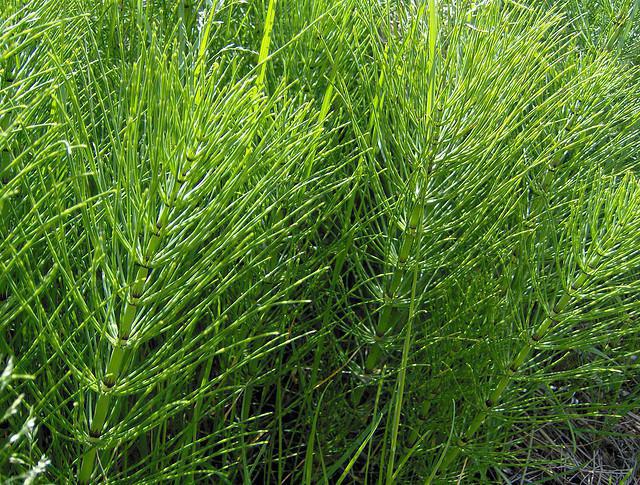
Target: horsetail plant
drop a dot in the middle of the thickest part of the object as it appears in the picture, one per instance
(410, 238)
(131, 304)
(615, 211)
(309, 241)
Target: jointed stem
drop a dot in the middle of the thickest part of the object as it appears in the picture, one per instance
(118, 356)
(120, 351)
(385, 322)
(264, 45)
(521, 357)
(411, 236)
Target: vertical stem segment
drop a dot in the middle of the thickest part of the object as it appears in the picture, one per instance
(411, 236)
(521, 357)
(120, 351)
(118, 356)
(385, 321)
(265, 44)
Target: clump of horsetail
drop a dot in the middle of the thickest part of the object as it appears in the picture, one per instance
(617, 210)
(390, 316)
(131, 308)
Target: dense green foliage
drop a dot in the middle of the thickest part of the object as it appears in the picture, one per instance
(316, 241)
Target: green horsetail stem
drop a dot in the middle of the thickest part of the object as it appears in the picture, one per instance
(120, 351)
(540, 332)
(622, 26)
(545, 327)
(404, 363)
(385, 321)
(263, 57)
(265, 44)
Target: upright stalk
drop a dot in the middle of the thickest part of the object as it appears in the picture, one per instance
(385, 321)
(547, 325)
(265, 44)
(410, 236)
(622, 26)
(403, 366)
(121, 351)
